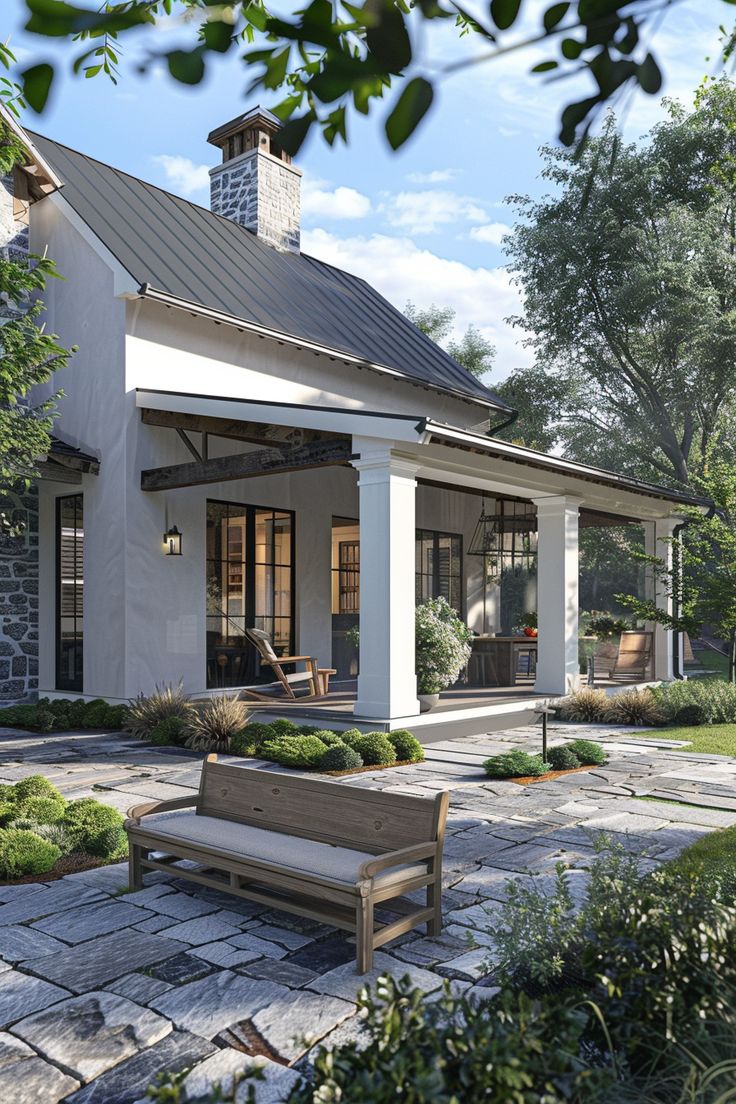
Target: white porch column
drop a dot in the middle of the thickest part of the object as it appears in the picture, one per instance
(658, 542)
(387, 683)
(557, 594)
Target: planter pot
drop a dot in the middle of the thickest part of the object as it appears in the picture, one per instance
(427, 702)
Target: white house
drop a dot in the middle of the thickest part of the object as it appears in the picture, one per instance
(321, 458)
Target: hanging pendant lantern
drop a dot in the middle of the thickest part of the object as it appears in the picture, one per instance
(506, 539)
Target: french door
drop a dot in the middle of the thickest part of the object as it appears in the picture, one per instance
(250, 584)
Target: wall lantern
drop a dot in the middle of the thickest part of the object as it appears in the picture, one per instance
(172, 541)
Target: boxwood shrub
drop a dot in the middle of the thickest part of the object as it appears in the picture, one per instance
(63, 714)
(298, 752)
(516, 764)
(94, 828)
(588, 752)
(562, 757)
(374, 749)
(340, 757)
(406, 747)
(23, 852)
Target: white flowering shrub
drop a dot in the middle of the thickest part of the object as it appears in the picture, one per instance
(442, 643)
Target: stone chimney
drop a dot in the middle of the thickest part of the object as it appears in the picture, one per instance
(256, 184)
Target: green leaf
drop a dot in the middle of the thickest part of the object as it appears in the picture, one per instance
(186, 66)
(36, 83)
(504, 13)
(386, 35)
(545, 66)
(413, 104)
(92, 71)
(292, 134)
(649, 75)
(571, 49)
(554, 15)
(218, 36)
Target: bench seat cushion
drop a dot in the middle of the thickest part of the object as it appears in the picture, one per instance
(290, 852)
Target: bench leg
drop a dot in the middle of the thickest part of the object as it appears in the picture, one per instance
(364, 935)
(135, 872)
(434, 901)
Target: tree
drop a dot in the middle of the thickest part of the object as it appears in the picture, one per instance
(473, 351)
(28, 354)
(702, 578)
(628, 277)
(330, 60)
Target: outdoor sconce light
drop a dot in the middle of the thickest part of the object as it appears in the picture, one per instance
(172, 541)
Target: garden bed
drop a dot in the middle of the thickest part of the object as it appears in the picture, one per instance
(524, 769)
(73, 863)
(550, 776)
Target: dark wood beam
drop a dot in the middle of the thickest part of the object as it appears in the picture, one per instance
(247, 465)
(190, 446)
(60, 473)
(258, 433)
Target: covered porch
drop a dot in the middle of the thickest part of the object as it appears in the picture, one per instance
(391, 475)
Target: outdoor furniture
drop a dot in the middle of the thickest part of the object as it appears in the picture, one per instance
(494, 660)
(633, 657)
(318, 849)
(315, 678)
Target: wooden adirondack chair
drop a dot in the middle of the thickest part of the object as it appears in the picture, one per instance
(314, 678)
(634, 656)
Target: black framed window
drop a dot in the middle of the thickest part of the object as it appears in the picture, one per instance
(439, 567)
(250, 584)
(69, 592)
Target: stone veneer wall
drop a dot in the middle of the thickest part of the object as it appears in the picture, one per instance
(260, 192)
(18, 554)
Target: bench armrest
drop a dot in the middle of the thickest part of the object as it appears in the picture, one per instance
(137, 811)
(397, 858)
(287, 659)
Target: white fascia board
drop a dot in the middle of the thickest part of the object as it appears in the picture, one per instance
(37, 159)
(125, 285)
(401, 428)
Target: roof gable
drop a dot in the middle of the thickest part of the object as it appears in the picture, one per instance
(184, 250)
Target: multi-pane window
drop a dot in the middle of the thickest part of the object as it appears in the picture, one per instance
(249, 585)
(439, 567)
(69, 592)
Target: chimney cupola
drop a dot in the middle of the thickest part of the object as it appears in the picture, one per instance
(256, 184)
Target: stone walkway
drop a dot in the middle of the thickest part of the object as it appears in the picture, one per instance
(100, 989)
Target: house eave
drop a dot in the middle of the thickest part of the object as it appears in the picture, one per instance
(146, 291)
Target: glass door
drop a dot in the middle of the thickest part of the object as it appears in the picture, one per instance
(69, 592)
(250, 584)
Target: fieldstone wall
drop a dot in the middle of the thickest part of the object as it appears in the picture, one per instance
(263, 194)
(18, 510)
(19, 597)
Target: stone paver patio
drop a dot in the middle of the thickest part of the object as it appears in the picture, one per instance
(100, 989)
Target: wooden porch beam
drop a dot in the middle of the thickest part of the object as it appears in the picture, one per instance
(60, 473)
(259, 433)
(247, 465)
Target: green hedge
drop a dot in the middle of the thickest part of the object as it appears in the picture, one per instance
(63, 715)
(304, 747)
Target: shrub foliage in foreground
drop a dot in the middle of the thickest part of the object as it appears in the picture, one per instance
(64, 714)
(39, 826)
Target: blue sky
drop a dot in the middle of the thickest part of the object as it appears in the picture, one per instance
(425, 224)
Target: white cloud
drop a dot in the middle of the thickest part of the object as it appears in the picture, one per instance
(436, 176)
(493, 232)
(425, 212)
(400, 269)
(183, 175)
(319, 198)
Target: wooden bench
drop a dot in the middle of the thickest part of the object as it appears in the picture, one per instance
(318, 849)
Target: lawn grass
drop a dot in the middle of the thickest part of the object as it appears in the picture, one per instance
(714, 662)
(710, 739)
(712, 851)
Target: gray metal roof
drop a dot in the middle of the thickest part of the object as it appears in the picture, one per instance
(186, 251)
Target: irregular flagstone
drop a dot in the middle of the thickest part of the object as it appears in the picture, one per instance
(251, 941)
(345, 982)
(476, 917)
(107, 879)
(224, 954)
(89, 1034)
(181, 968)
(284, 973)
(129, 1081)
(154, 923)
(57, 897)
(80, 924)
(27, 1079)
(180, 906)
(205, 929)
(676, 813)
(625, 822)
(139, 988)
(103, 959)
(428, 952)
(473, 964)
(19, 943)
(223, 1069)
(207, 1006)
(21, 994)
(293, 1023)
(273, 1087)
(290, 939)
(695, 797)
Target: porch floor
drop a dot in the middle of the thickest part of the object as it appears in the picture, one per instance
(461, 711)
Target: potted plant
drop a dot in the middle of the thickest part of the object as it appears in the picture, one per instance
(442, 649)
(528, 624)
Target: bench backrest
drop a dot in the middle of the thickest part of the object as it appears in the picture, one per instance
(329, 812)
(634, 650)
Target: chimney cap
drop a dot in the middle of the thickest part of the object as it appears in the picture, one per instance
(256, 117)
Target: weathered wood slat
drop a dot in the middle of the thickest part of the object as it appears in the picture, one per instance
(247, 465)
